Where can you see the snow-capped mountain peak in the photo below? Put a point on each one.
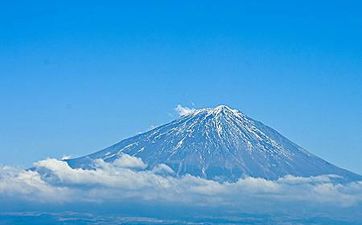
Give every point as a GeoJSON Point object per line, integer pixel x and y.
{"type": "Point", "coordinates": [220, 109]}
{"type": "Point", "coordinates": [218, 143]}
{"type": "Point", "coordinates": [223, 109]}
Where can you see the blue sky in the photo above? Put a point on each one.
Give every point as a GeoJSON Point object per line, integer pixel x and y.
{"type": "Point", "coordinates": [78, 77]}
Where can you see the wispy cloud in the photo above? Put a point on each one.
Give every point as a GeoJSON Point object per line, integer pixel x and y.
{"type": "Point", "coordinates": [183, 111]}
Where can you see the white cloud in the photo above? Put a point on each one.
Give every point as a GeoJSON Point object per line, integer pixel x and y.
{"type": "Point", "coordinates": [127, 178]}
{"type": "Point", "coordinates": [163, 169]}
{"type": "Point", "coordinates": [65, 157]}
{"type": "Point", "coordinates": [16, 183]}
{"type": "Point", "coordinates": [127, 161]}
{"type": "Point", "coordinates": [184, 111]}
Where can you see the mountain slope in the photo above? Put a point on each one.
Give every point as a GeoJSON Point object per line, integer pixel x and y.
{"type": "Point", "coordinates": [221, 144]}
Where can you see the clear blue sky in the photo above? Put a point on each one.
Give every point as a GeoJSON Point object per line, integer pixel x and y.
{"type": "Point", "coordinates": [77, 76]}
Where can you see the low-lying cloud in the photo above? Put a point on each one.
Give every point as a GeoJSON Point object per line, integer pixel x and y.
{"type": "Point", "coordinates": [127, 178]}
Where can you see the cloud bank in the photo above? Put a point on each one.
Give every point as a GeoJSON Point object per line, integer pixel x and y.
{"type": "Point", "coordinates": [126, 180]}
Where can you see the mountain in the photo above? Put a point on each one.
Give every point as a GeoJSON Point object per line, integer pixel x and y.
{"type": "Point", "coordinates": [221, 144]}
